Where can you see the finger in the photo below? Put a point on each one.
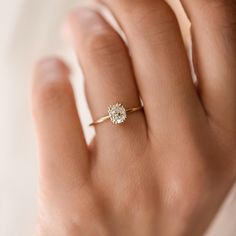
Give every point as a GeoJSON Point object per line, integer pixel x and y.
{"type": "Point", "coordinates": [107, 68]}
{"type": "Point", "coordinates": [214, 36]}
{"type": "Point", "coordinates": [63, 154]}
{"type": "Point", "coordinates": [160, 61]}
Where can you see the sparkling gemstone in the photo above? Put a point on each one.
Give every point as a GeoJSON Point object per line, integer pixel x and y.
{"type": "Point", "coordinates": [117, 113]}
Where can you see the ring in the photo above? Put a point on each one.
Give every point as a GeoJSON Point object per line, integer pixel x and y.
{"type": "Point", "coordinates": [117, 113]}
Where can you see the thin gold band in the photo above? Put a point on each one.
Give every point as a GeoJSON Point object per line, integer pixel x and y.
{"type": "Point", "coordinates": [105, 118]}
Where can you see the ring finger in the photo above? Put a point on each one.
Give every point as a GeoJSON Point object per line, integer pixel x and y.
{"type": "Point", "coordinates": [109, 76]}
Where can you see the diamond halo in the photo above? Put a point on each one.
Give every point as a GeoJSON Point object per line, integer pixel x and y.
{"type": "Point", "coordinates": [117, 113]}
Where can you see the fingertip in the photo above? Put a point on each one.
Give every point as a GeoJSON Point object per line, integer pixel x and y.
{"type": "Point", "coordinates": [51, 85]}
{"type": "Point", "coordinates": [83, 11]}
{"type": "Point", "coordinates": [84, 17]}
{"type": "Point", "coordinates": [51, 65]}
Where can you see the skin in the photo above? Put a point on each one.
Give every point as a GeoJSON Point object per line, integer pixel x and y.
{"type": "Point", "coordinates": [166, 170]}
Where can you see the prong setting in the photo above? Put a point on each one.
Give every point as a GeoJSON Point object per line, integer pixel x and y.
{"type": "Point", "coordinates": [117, 113]}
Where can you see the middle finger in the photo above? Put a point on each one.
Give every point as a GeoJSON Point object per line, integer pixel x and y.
{"type": "Point", "coordinates": [160, 61]}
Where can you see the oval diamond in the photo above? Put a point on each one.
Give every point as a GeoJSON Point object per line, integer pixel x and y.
{"type": "Point", "coordinates": [117, 113]}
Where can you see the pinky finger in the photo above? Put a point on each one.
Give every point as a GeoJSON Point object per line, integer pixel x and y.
{"type": "Point", "coordinates": [63, 157]}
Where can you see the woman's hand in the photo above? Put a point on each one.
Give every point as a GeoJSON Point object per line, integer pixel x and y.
{"type": "Point", "coordinates": [167, 169]}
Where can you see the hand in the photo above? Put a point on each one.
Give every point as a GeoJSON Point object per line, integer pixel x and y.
{"type": "Point", "coordinates": [166, 170]}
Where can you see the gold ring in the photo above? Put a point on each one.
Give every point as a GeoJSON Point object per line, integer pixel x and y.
{"type": "Point", "coordinates": [117, 113]}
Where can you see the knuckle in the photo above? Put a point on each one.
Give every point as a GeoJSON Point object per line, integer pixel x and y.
{"type": "Point", "coordinates": [104, 46]}
{"type": "Point", "coordinates": [220, 20]}
{"type": "Point", "coordinates": [190, 189]}
{"type": "Point", "coordinates": [173, 202]}
{"type": "Point", "coordinates": [84, 214]}
{"type": "Point", "coordinates": [165, 22]}
{"type": "Point", "coordinates": [220, 13]}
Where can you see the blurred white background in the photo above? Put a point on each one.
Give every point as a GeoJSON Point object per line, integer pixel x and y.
{"type": "Point", "coordinates": [30, 29]}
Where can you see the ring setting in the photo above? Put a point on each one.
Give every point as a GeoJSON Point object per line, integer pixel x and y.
{"type": "Point", "coordinates": [117, 114]}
